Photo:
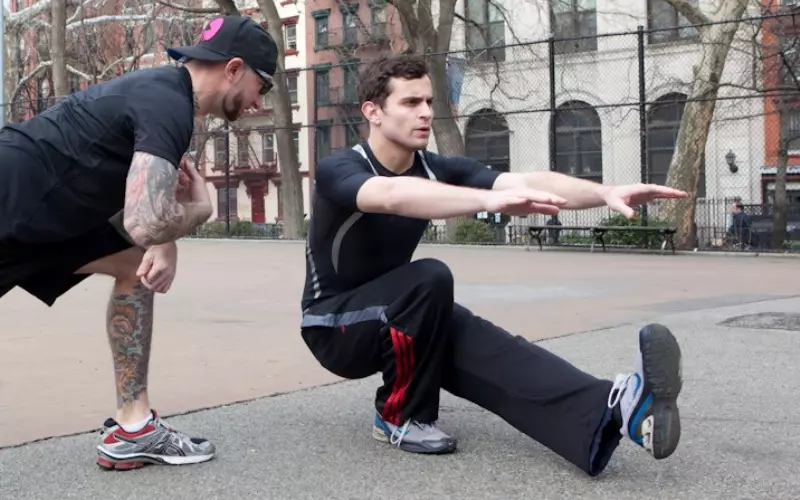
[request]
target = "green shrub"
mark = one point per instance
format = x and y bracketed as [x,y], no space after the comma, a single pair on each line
[474,231]
[632,238]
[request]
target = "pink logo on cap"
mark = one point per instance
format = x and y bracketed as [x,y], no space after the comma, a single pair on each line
[213,28]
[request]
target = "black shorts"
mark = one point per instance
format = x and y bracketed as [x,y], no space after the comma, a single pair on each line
[47,270]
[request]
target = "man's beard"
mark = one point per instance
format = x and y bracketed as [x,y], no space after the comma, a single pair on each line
[231,107]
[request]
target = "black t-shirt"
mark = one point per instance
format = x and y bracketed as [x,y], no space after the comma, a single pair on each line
[347,248]
[63,172]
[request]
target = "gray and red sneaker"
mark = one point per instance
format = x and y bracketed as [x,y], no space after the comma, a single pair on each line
[158,443]
[414,437]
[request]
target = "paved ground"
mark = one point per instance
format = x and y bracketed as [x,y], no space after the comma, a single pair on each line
[740,434]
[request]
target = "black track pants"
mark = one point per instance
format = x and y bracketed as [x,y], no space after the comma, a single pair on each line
[406,325]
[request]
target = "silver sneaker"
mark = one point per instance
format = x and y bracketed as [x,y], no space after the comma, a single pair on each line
[414,437]
[157,443]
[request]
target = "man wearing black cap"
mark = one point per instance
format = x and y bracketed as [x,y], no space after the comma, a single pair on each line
[96,185]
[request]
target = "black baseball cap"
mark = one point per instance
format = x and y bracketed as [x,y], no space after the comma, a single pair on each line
[226,37]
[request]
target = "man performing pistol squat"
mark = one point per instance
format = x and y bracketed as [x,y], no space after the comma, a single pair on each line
[367,308]
[95,185]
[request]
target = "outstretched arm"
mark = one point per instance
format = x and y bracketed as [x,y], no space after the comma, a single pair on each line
[152,214]
[579,193]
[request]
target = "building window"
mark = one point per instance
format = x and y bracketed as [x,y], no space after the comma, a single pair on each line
[42,94]
[321,32]
[579,141]
[267,147]
[296,139]
[663,123]
[486,30]
[487,140]
[291,85]
[220,151]
[323,139]
[350,70]
[379,22]
[322,87]
[793,134]
[789,56]
[352,132]
[242,151]
[663,16]
[290,36]
[227,198]
[350,26]
[74,83]
[574,18]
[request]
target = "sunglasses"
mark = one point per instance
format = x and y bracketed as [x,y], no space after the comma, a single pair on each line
[266,87]
[268,83]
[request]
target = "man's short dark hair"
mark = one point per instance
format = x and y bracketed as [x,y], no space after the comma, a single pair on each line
[374,79]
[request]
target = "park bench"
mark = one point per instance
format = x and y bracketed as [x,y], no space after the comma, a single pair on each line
[598,233]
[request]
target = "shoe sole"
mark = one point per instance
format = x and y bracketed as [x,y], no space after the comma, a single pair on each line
[662,366]
[136,461]
[381,436]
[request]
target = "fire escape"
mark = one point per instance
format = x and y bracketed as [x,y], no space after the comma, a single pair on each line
[352,42]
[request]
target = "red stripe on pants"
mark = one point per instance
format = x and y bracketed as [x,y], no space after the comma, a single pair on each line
[404,366]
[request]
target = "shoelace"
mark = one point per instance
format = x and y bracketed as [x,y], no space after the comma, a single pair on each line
[400,433]
[620,383]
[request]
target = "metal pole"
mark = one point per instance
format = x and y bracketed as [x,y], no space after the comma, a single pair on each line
[227,178]
[2,66]
[552,63]
[644,173]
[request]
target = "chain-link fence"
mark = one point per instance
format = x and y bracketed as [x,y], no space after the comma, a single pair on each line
[603,107]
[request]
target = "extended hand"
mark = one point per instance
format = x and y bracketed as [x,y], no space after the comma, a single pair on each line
[523,202]
[157,270]
[183,189]
[195,194]
[621,198]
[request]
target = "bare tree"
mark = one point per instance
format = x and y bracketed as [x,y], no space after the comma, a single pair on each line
[94,46]
[59,45]
[715,42]
[291,183]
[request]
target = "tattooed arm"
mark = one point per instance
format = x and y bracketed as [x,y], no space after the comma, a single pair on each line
[152,215]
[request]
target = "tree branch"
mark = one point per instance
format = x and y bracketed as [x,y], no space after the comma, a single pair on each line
[408,18]
[27,78]
[692,13]
[28,14]
[191,10]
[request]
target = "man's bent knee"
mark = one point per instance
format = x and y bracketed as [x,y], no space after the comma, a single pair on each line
[435,273]
[122,265]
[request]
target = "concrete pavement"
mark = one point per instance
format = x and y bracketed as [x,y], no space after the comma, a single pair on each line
[740,436]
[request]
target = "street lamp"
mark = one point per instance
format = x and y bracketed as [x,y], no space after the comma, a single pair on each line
[730,159]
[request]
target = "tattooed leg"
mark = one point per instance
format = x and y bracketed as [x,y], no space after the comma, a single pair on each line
[130,332]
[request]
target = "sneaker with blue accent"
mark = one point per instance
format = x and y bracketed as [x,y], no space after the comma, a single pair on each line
[648,397]
[414,437]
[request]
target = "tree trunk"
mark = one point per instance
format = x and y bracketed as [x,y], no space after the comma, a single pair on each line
[291,186]
[684,170]
[780,206]
[449,141]
[58,48]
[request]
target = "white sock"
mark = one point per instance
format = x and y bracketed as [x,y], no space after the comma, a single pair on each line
[136,427]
